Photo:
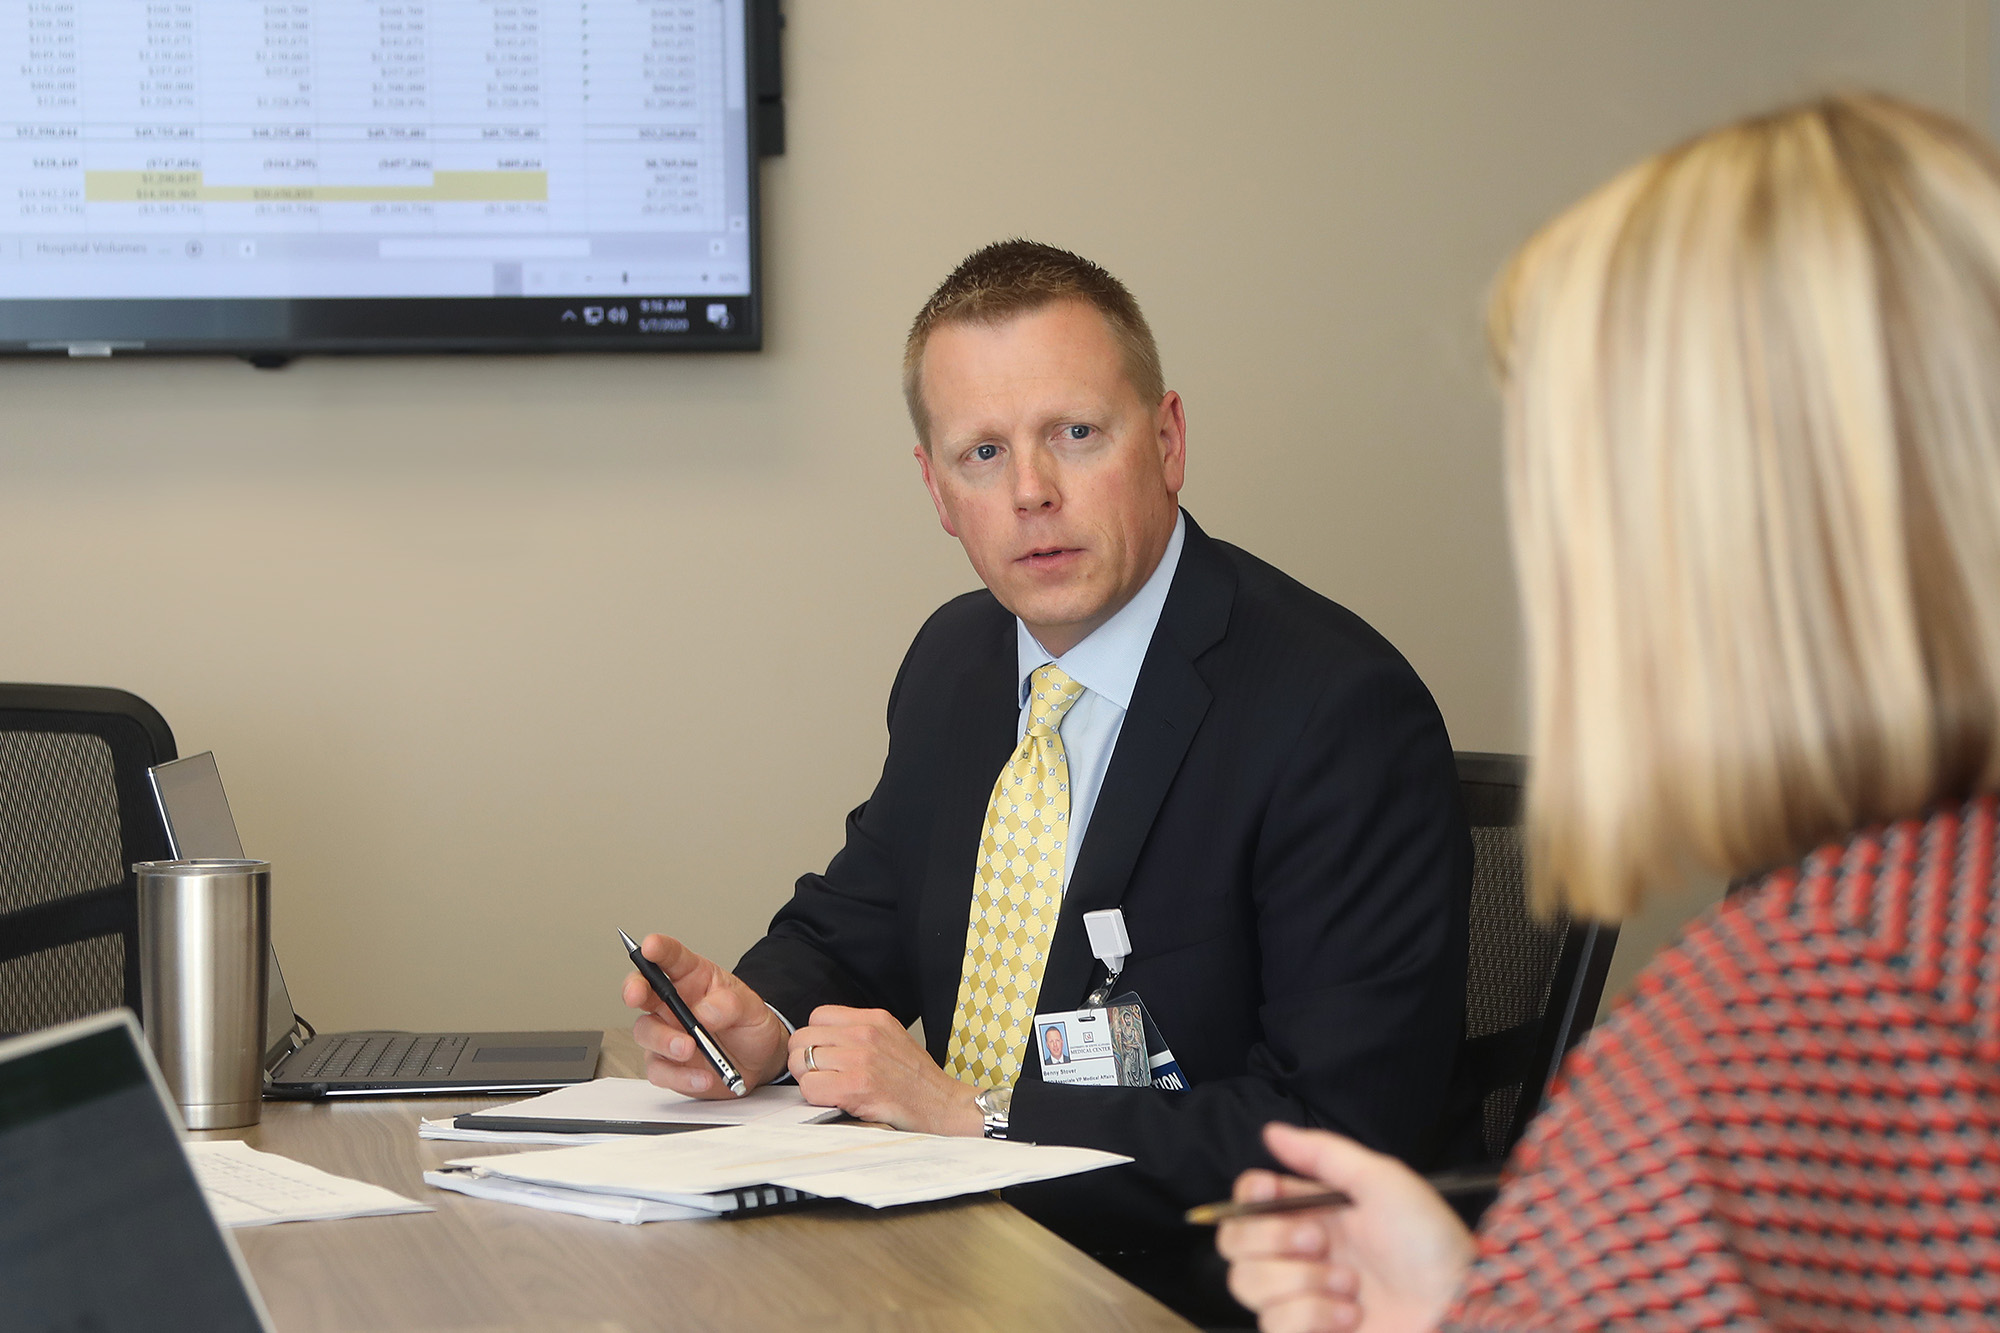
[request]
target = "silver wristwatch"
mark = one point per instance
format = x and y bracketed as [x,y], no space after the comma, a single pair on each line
[993,1104]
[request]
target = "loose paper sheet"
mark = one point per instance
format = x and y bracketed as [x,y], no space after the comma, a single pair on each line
[247,1188]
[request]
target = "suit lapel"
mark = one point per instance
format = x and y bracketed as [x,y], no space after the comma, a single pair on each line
[1168,704]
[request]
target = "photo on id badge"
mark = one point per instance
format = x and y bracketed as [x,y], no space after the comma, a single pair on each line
[1101,1048]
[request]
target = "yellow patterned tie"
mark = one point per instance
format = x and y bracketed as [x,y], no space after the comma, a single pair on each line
[1016,894]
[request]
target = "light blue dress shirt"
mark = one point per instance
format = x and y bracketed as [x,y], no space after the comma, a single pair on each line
[1107,665]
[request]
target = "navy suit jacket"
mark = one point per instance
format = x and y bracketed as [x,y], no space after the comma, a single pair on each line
[1281,825]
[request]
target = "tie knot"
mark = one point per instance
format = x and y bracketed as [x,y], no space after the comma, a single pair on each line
[1050,694]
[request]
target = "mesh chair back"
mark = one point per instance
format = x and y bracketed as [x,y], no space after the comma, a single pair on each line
[75,813]
[1531,986]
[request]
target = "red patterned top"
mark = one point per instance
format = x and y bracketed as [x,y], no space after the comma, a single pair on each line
[1794,1124]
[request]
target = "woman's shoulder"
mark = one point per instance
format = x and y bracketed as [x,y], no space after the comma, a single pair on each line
[1895,925]
[1909,905]
[1901,893]
[1697,1112]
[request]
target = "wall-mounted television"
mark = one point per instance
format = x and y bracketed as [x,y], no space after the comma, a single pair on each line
[267,178]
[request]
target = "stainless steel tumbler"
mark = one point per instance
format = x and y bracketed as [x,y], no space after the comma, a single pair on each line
[204,938]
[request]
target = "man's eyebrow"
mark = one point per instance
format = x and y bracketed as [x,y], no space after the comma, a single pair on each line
[1090,411]
[966,440]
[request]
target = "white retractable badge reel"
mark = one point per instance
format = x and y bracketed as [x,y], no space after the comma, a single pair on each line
[1112,946]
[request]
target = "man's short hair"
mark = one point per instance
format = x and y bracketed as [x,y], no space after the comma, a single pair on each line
[1010,278]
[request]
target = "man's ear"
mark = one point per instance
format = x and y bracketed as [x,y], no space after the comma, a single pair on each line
[1172,433]
[930,484]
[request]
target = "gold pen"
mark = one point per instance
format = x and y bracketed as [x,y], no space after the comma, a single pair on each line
[1447,1183]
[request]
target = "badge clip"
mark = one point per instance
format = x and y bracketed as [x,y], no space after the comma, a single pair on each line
[1112,946]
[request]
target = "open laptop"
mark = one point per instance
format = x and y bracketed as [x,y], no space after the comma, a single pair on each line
[102,1223]
[302,1063]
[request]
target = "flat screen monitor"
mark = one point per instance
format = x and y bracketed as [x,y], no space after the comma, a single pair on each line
[274,177]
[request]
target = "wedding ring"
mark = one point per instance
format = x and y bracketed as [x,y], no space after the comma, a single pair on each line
[812,1065]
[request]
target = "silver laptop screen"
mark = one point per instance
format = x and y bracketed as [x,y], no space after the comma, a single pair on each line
[199,826]
[102,1225]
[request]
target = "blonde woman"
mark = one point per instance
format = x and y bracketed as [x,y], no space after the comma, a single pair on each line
[1753,420]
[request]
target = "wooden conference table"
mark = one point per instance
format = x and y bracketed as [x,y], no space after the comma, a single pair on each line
[475,1266]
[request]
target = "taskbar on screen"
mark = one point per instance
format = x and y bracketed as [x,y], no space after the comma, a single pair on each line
[281,328]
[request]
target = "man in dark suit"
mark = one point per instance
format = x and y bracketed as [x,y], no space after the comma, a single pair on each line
[1250,773]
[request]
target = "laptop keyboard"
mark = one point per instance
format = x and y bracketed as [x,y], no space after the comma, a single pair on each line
[359,1059]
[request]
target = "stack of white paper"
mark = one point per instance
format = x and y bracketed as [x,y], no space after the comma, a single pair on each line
[875,1167]
[603,1207]
[247,1188]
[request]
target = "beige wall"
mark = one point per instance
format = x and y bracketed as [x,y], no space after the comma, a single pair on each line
[500,654]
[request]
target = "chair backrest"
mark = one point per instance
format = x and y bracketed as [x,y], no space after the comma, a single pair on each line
[1531,986]
[76,812]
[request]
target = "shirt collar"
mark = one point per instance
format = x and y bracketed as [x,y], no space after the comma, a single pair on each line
[1107,662]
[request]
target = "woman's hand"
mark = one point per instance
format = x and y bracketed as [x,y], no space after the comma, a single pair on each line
[1390,1263]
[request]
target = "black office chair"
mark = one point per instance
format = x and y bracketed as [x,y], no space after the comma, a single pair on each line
[76,812]
[1531,987]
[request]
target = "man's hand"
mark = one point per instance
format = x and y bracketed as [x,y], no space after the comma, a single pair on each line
[749,1032]
[1389,1264]
[867,1064]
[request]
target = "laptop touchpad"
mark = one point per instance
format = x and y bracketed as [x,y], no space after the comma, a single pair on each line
[528,1055]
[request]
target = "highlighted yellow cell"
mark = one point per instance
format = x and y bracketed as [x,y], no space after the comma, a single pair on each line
[188,187]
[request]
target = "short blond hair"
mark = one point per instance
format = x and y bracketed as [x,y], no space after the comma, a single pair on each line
[1753,397]
[1010,278]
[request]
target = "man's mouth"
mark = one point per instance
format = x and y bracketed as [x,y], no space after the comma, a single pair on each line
[1047,555]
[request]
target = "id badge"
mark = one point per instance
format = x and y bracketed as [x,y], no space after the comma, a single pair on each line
[1094,1047]
[1139,1055]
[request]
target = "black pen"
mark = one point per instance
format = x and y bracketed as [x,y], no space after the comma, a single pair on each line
[664,988]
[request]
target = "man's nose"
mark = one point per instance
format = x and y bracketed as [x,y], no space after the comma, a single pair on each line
[1035,485]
